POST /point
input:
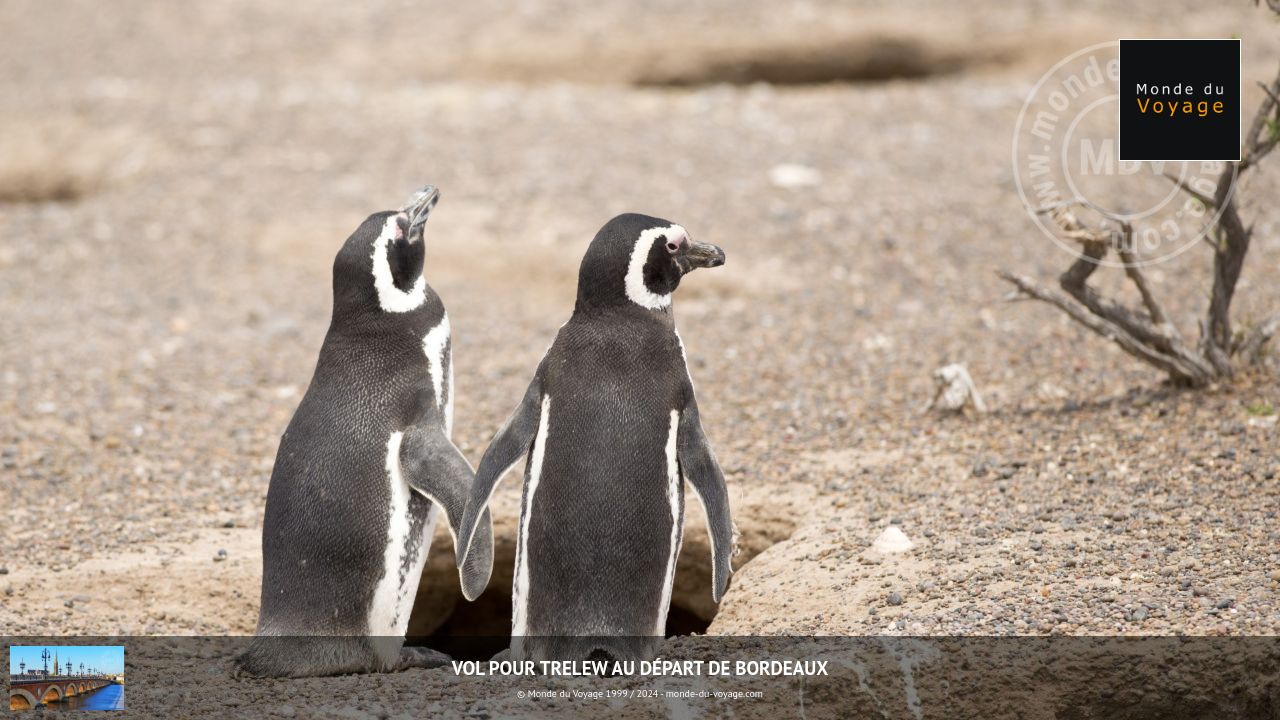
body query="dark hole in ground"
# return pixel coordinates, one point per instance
(851, 60)
(481, 629)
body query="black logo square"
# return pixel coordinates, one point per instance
(1180, 99)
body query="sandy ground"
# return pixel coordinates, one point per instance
(174, 183)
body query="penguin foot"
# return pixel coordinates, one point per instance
(421, 657)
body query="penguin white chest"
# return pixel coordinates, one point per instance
(435, 346)
(404, 555)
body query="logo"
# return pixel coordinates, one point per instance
(1072, 180)
(1180, 100)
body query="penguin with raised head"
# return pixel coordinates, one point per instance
(364, 470)
(611, 429)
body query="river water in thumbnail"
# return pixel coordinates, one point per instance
(110, 697)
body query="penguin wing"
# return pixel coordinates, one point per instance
(511, 442)
(700, 469)
(434, 466)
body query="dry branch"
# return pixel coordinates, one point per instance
(1151, 336)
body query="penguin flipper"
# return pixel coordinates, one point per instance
(509, 444)
(433, 466)
(699, 467)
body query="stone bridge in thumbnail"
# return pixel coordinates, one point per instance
(27, 692)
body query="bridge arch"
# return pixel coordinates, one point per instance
(70, 690)
(20, 699)
(53, 693)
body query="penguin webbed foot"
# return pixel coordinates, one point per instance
(421, 657)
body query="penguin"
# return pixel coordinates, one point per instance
(611, 431)
(364, 470)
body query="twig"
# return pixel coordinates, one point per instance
(1208, 201)
(1234, 237)
(1257, 146)
(1078, 202)
(1268, 91)
(1177, 368)
(1251, 347)
(1074, 282)
(1134, 271)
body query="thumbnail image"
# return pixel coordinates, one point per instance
(66, 677)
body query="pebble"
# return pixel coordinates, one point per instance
(1275, 575)
(894, 598)
(222, 555)
(1225, 603)
(4, 570)
(792, 176)
(892, 540)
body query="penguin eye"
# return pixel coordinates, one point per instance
(672, 246)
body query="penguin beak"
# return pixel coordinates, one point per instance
(702, 255)
(418, 207)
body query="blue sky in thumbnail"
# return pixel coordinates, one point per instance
(108, 659)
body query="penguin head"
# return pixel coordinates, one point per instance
(380, 265)
(640, 259)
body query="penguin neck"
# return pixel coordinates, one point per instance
(626, 310)
(357, 317)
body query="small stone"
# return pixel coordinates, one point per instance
(229, 524)
(793, 177)
(891, 541)
(1275, 575)
(1138, 615)
(222, 555)
(894, 598)
(286, 711)
(954, 390)
(1225, 603)
(4, 570)
(1199, 591)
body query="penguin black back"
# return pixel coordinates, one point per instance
(364, 468)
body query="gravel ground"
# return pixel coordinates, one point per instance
(170, 202)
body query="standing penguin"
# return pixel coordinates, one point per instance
(610, 425)
(364, 469)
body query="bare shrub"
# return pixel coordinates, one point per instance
(1147, 332)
